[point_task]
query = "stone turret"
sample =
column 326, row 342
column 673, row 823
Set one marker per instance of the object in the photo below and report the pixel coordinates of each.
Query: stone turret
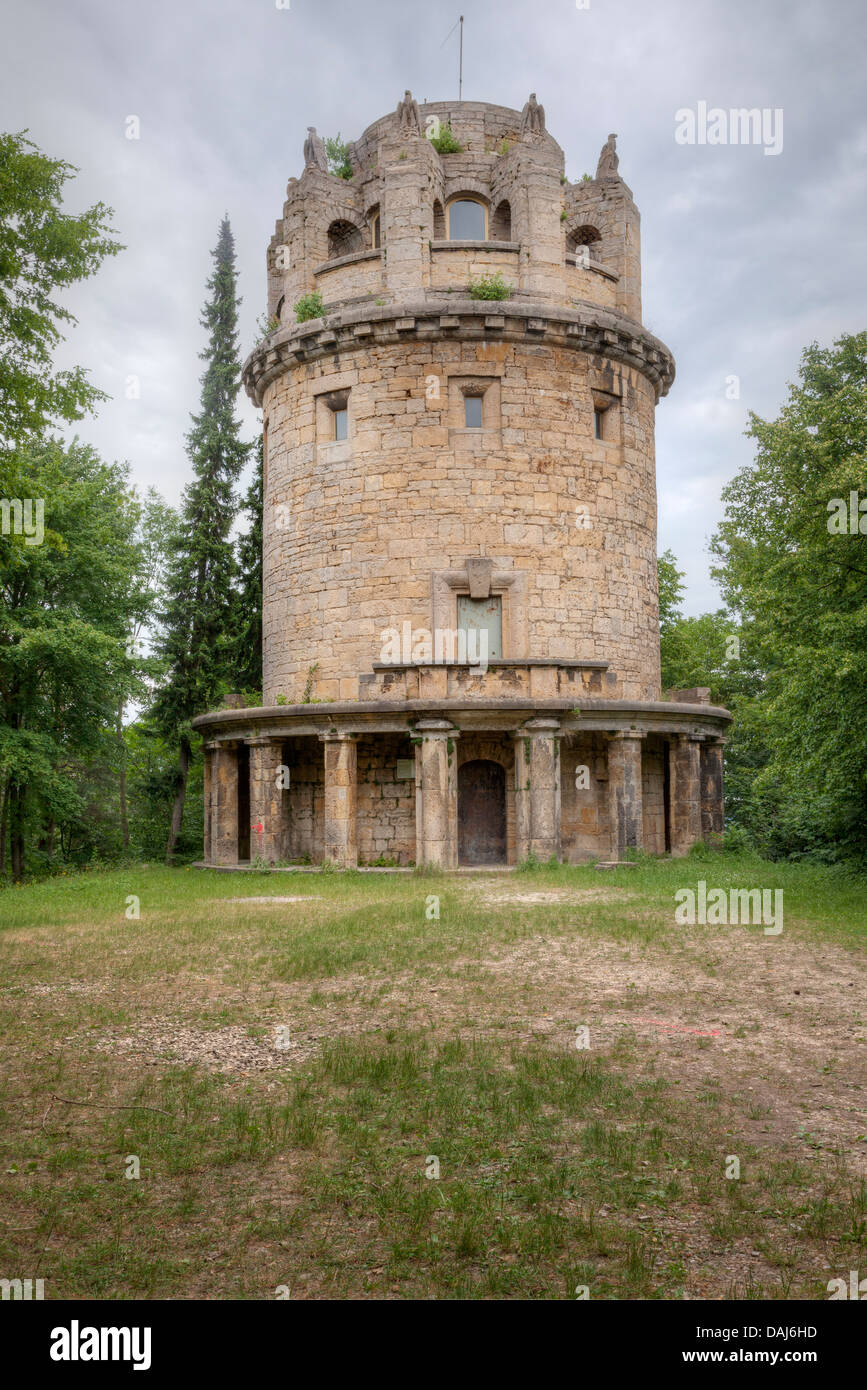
column 461, row 639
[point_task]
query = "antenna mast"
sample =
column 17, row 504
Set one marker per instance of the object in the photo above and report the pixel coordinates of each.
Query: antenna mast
column 459, row 21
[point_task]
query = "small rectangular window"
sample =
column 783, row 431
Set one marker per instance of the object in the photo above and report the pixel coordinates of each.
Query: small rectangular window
column 477, row 616
column 597, row 424
column 341, row 423
column 473, row 412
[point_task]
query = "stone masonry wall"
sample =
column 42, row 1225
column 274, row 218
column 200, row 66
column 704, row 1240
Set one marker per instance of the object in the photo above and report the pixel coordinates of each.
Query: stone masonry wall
column 354, row 531
column 386, row 805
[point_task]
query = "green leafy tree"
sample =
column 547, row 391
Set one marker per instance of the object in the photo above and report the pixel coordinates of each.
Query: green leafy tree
column 337, row 153
column 195, row 641
column 800, row 585
column 714, row 650
column 64, row 663
column 157, row 531
column 43, row 249
column 671, row 590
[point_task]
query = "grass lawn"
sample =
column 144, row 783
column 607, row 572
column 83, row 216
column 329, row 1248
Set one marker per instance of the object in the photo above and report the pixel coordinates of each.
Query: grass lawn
column 286, row 1058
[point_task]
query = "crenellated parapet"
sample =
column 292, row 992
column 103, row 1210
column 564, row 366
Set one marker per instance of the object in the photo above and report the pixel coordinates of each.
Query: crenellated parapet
column 395, row 216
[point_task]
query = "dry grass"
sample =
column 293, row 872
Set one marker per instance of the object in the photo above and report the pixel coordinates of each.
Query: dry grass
column 284, row 1071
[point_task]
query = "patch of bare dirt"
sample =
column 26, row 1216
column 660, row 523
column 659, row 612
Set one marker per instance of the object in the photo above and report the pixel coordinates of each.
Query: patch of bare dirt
column 494, row 892
column 230, row 1049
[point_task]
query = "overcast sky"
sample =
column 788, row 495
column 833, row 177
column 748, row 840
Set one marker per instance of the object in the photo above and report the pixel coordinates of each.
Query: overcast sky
column 746, row 257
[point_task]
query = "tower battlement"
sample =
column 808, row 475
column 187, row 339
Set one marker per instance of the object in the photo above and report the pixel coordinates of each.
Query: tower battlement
column 388, row 233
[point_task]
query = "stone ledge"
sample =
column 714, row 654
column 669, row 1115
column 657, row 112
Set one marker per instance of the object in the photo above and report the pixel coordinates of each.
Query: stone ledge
column 504, row 714
column 595, row 266
column 567, row 663
column 352, row 259
column 587, row 328
column 475, row 246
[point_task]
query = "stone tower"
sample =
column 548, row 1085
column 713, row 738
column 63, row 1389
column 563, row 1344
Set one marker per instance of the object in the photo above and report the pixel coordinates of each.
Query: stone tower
column 461, row 637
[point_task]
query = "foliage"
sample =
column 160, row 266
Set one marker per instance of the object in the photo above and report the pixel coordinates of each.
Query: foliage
column 309, row 306
column 489, row 287
column 245, row 627
column 66, row 666
column 446, row 142
column 801, row 590
column 671, row 591
column 309, row 686
column 42, row 251
column 265, row 326
column 202, row 567
column 337, row 152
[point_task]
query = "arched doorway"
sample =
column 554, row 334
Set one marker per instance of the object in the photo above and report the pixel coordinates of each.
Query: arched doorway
column 481, row 812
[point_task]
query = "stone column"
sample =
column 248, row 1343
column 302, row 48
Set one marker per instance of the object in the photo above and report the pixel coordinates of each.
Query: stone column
column 684, row 792
column 341, row 796
column 207, row 761
column 436, row 793
column 712, row 803
column 410, row 166
column 625, row 803
column 224, row 803
column 266, row 799
column 536, row 205
column 537, row 789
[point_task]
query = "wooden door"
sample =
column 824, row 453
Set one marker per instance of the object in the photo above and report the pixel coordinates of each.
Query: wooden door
column 481, row 813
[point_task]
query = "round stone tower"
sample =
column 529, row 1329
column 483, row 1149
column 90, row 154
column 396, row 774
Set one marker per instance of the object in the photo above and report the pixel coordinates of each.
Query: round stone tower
column 461, row 635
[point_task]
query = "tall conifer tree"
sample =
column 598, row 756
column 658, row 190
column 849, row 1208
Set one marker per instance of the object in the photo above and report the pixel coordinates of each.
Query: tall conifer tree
column 247, row 625
column 202, row 564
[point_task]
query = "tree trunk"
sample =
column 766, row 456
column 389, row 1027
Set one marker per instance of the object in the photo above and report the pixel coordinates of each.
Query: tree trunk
column 180, row 796
column 124, row 819
column 16, row 835
column 4, row 821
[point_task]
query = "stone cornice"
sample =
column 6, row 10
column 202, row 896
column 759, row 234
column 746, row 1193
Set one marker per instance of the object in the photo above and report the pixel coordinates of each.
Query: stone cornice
column 380, row 716
column 586, row 328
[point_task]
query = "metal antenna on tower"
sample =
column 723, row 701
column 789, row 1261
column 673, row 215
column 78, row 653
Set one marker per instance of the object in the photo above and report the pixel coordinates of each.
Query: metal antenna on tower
column 459, row 21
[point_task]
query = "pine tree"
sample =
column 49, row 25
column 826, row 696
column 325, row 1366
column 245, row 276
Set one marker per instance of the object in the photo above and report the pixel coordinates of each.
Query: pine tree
column 247, row 625
column 201, row 569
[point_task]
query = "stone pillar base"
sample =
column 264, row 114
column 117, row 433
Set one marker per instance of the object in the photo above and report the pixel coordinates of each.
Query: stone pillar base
column 224, row 803
column 712, row 803
column 436, row 794
column 685, row 793
column 537, row 789
column 266, row 800
column 625, row 798
column 341, row 790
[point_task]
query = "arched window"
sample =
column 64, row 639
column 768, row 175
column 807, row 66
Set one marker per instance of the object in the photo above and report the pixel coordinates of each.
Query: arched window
column 375, row 230
column 501, row 222
column 467, row 220
column 343, row 239
column 585, row 236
